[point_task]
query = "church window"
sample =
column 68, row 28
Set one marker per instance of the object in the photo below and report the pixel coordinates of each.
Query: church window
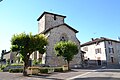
column 63, row 37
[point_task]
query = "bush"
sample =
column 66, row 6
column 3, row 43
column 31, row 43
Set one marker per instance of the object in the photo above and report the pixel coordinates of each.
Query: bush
column 3, row 66
column 44, row 70
column 16, row 64
column 58, row 69
column 17, row 70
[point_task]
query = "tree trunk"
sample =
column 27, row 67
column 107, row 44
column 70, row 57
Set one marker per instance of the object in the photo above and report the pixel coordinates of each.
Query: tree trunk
column 26, row 65
column 68, row 65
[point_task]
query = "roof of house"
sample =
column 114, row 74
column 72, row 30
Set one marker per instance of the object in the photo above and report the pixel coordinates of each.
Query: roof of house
column 45, row 31
column 49, row 13
column 6, row 53
column 83, row 52
column 98, row 40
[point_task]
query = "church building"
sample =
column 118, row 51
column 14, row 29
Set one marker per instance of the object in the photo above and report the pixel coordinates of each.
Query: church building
column 56, row 30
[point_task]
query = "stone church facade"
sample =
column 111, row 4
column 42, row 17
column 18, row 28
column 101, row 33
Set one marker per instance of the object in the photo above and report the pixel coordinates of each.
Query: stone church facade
column 54, row 27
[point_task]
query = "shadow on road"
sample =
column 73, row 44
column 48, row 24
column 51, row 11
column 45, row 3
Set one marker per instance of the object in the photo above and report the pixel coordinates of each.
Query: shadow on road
column 108, row 70
column 97, row 78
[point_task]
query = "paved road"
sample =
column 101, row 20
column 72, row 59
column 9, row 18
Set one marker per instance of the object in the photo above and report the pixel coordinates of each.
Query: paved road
column 100, row 74
column 53, row 76
column 77, row 74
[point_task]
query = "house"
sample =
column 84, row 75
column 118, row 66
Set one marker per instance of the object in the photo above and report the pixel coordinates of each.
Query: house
column 8, row 57
column 102, row 51
column 55, row 29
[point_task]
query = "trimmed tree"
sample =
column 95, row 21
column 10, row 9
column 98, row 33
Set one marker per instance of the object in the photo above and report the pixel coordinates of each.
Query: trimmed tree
column 26, row 44
column 1, row 0
column 66, row 49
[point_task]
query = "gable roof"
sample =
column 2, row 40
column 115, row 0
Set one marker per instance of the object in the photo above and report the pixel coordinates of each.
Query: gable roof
column 58, row 26
column 94, row 41
column 83, row 52
column 6, row 53
column 49, row 13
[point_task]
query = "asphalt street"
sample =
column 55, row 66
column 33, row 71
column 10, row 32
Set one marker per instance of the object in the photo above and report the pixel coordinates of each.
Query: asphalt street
column 99, row 74
column 75, row 74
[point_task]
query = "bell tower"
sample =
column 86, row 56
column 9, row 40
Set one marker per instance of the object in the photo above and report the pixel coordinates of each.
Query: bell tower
column 48, row 20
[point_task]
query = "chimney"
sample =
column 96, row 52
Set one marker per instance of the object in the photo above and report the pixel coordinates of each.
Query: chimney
column 102, row 37
column 119, row 38
column 92, row 39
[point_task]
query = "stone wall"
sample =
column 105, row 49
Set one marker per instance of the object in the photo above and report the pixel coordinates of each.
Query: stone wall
column 48, row 21
column 41, row 24
column 54, row 37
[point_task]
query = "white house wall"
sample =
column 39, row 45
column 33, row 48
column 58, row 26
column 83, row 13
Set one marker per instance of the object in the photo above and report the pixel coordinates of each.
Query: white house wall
column 91, row 54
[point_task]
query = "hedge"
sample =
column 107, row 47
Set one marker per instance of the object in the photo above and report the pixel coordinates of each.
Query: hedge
column 16, row 70
column 58, row 69
column 44, row 70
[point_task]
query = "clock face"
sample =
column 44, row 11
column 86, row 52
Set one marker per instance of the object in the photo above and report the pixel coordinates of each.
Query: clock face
column 63, row 37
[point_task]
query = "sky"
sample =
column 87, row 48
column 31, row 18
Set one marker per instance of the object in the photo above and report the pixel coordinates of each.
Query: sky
column 92, row 18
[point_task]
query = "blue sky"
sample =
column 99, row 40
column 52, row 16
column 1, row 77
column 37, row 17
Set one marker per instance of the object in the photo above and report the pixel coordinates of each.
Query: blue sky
column 92, row 18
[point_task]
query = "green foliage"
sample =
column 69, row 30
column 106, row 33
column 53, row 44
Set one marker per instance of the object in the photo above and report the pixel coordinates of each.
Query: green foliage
column 66, row 49
column 58, row 69
column 35, row 62
column 3, row 66
column 26, row 44
column 16, row 70
column 44, row 70
column 16, row 64
column 8, row 61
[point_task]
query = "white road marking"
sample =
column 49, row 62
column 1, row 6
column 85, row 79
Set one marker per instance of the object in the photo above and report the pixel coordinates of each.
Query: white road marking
column 83, row 74
column 78, row 76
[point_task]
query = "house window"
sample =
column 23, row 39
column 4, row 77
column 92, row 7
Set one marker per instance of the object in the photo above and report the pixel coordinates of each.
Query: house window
column 11, row 61
column 85, row 48
column 35, row 55
column 110, row 42
column 112, row 59
column 98, row 50
column 111, row 50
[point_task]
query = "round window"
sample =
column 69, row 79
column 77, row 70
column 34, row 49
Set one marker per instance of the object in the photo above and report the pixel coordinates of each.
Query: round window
column 63, row 37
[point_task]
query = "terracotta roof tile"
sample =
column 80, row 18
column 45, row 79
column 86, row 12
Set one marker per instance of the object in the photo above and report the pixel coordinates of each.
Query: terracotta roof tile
column 98, row 40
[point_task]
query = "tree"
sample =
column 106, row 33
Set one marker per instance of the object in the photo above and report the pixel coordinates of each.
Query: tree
column 26, row 44
column 1, row 0
column 66, row 49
